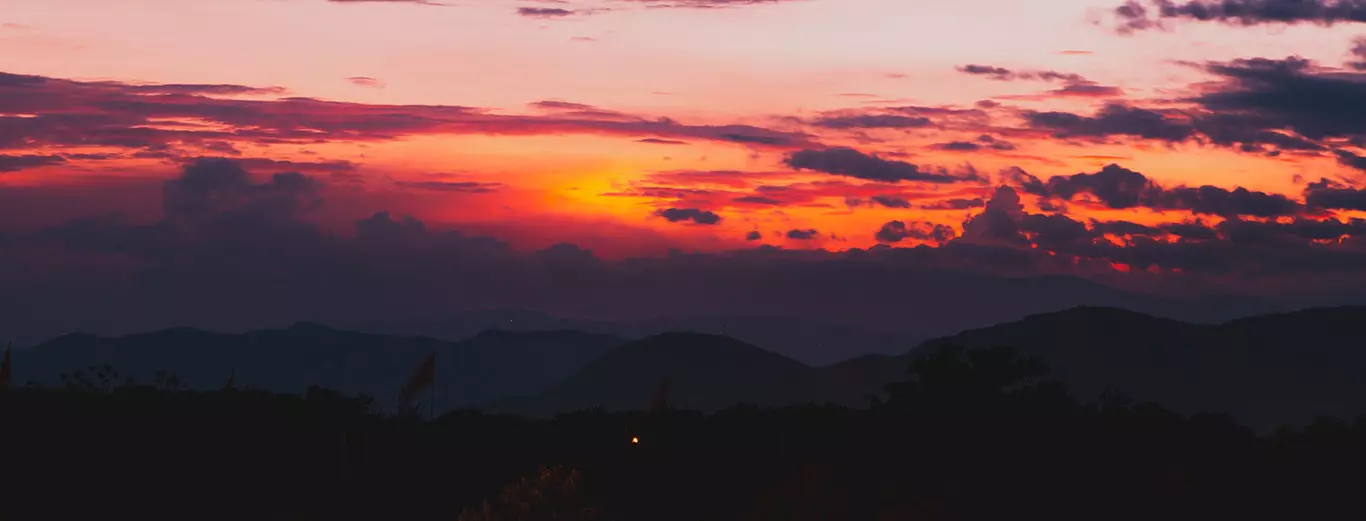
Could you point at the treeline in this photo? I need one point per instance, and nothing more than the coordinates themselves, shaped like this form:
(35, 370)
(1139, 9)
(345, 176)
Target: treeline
(969, 435)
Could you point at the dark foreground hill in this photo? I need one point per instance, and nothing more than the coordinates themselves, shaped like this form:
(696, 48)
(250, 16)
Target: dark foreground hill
(705, 373)
(489, 365)
(1265, 370)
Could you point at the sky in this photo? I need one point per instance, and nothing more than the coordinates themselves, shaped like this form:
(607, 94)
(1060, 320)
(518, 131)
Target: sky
(167, 161)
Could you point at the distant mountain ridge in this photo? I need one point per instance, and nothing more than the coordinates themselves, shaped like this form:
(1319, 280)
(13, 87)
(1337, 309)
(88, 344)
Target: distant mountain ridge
(491, 364)
(1269, 369)
(705, 372)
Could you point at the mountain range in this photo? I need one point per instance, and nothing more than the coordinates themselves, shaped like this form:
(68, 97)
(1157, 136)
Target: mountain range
(1265, 370)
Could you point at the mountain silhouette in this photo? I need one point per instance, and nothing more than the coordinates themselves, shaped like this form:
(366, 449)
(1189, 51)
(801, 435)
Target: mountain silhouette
(1265, 370)
(806, 340)
(488, 365)
(706, 373)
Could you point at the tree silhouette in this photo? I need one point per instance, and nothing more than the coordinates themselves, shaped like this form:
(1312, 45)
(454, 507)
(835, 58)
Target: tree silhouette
(551, 494)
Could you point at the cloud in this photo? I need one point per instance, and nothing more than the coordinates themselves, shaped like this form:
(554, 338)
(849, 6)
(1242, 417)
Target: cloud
(1136, 16)
(366, 81)
(16, 163)
(109, 114)
(983, 143)
(890, 201)
(546, 12)
(1291, 93)
(999, 222)
(1334, 196)
(1004, 74)
(954, 204)
(852, 163)
(1120, 188)
(469, 187)
(1087, 90)
(261, 163)
(1112, 119)
(657, 141)
(754, 236)
(195, 89)
(689, 214)
(896, 231)
(1358, 53)
(802, 235)
(1257, 106)
(872, 121)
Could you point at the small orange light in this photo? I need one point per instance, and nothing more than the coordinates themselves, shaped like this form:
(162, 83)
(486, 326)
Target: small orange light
(635, 440)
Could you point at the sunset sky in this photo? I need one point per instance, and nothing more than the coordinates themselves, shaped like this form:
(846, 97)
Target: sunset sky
(1214, 145)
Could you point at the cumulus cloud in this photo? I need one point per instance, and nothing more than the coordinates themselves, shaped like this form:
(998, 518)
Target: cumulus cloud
(853, 163)
(1120, 188)
(856, 121)
(689, 214)
(1134, 15)
(469, 187)
(897, 231)
(15, 163)
(546, 12)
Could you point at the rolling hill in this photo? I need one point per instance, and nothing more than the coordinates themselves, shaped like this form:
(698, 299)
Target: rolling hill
(706, 373)
(1265, 370)
(488, 365)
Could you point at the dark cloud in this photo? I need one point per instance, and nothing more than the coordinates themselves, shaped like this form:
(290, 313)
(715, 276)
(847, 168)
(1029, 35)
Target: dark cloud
(1349, 159)
(689, 214)
(954, 204)
(852, 163)
(958, 146)
(193, 89)
(999, 223)
(1195, 231)
(1292, 93)
(1358, 52)
(1123, 228)
(1334, 196)
(754, 236)
(1257, 106)
(545, 12)
(1136, 16)
(969, 146)
(802, 235)
(1087, 90)
(657, 141)
(261, 163)
(890, 201)
(1118, 187)
(872, 121)
(16, 163)
(366, 81)
(1004, 74)
(897, 231)
(108, 114)
(214, 189)
(1112, 120)
(470, 187)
